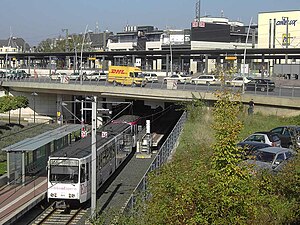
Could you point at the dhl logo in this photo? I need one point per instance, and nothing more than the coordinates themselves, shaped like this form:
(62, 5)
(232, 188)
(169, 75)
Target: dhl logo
(117, 71)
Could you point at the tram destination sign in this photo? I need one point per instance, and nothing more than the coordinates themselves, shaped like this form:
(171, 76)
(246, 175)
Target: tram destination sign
(64, 162)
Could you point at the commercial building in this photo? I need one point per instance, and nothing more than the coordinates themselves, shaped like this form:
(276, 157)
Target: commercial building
(280, 29)
(219, 33)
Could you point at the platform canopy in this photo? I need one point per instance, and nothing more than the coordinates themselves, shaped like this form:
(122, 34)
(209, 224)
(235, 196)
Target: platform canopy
(31, 144)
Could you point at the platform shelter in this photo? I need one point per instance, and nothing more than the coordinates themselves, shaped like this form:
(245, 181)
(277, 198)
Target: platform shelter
(29, 157)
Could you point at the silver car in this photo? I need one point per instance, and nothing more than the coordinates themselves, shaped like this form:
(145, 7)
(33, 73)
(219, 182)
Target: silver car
(151, 77)
(206, 80)
(270, 158)
(96, 76)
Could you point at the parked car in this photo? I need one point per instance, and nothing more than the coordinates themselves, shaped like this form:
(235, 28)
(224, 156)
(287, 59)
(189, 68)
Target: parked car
(250, 146)
(178, 78)
(238, 81)
(2, 74)
(289, 135)
(266, 137)
(97, 75)
(151, 77)
(16, 74)
(271, 158)
(260, 85)
(57, 76)
(207, 80)
(24, 73)
(74, 76)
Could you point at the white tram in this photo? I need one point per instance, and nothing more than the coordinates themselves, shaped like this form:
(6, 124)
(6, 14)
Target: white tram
(69, 169)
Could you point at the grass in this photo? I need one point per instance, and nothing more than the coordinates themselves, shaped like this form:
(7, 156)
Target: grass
(2, 168)
(13, 133)
(259, 122)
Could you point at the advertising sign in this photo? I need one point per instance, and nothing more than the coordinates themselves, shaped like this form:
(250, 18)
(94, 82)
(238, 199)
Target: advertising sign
(138, 62)
(245, 68)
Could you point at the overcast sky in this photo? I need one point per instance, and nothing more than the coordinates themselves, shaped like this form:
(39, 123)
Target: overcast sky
(36, 20)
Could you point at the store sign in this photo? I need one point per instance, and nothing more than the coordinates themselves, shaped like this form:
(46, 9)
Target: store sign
(286, 21)
(286, 39)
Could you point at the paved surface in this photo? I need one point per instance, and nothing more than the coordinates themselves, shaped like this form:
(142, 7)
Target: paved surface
(287, 82)
(120, 190)
(14, 199)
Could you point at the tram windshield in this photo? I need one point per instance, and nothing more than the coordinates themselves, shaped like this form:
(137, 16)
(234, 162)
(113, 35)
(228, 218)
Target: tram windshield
(64, 174)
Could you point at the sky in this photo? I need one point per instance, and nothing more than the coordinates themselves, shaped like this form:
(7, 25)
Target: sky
(37, 20)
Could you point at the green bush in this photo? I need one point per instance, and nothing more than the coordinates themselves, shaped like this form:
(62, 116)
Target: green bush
(205, 184)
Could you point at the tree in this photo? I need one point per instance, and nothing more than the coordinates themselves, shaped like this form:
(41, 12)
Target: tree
(59, 44)
(8, 103)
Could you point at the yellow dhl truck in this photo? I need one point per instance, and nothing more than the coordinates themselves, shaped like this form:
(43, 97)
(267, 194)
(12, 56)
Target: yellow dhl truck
(126, 75)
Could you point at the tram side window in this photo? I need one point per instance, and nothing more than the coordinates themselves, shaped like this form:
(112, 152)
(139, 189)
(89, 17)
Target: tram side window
(87, 171)
(103, 158)
(113, 152)
(99, 161)
(82, 173)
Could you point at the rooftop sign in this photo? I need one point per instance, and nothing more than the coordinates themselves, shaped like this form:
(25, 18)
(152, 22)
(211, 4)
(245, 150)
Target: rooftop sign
(286, 21)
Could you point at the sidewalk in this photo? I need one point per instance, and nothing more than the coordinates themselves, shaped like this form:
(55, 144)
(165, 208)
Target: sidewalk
(286, 82)
(16, 200)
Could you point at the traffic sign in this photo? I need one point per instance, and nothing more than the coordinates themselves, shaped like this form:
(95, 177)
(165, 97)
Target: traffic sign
(104, 134)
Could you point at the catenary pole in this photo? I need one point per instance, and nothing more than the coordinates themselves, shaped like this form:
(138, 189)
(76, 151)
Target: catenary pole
(94, 158)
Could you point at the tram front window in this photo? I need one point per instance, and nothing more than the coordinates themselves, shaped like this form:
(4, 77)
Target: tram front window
(64, 174)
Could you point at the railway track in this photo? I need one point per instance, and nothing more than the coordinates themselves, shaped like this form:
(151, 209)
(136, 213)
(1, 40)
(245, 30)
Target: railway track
(60, 216)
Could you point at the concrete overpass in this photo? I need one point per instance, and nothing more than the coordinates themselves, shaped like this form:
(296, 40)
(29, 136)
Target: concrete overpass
(50, 95)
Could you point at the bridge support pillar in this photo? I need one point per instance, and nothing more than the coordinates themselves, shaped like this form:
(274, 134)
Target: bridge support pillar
(59, 109)
(167, 65)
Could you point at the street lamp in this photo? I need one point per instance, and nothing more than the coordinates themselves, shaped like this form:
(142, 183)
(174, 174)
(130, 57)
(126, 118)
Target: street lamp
(244, 60)
(34, 94)
(171, 55)
(83, 39)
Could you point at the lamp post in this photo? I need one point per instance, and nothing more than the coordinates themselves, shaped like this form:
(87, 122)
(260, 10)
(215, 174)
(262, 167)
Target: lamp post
(171, 55)
(34, 94)
(83, 39)
(244, 60)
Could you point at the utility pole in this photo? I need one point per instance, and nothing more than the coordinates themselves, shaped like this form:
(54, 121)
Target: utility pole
(94, 158)
(82, 121)
(287, 39)
(81, 53)
(198, 7)
(244, 58)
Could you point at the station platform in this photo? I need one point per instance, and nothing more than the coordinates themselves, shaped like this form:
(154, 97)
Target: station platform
(16, 200)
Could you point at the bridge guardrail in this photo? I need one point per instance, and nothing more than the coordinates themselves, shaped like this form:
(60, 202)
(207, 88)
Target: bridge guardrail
(282, 89)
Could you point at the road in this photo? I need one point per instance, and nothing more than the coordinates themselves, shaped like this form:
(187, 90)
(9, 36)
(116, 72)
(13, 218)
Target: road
(284, 88)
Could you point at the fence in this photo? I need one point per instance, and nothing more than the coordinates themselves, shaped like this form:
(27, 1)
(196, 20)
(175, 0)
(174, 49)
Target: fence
(162, 157)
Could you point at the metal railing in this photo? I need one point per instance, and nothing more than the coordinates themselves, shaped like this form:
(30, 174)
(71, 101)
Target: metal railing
(283, 88)
(162, 157)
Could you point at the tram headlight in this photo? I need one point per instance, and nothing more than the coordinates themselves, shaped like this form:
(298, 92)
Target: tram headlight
(71, 195)
(53, 195)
